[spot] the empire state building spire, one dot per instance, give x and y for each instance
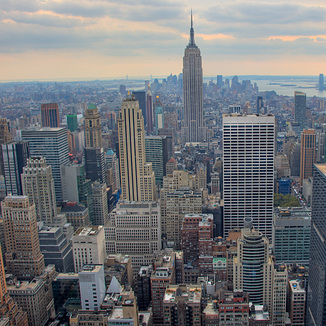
(192, 33)
(193, 128)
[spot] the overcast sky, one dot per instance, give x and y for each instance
(49, 39)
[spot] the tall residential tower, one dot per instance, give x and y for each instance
(193, 129)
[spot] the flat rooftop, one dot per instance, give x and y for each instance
(88, 231)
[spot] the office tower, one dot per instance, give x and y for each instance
(35, 297)
(72, 123)
(248, 171)
(321, 82)
(193, 129)
(38, 185)
(112, 162)
(50, 115)
(14, 158)
(157, 153)
(158, 114)
(55, 248)
(93, 132)
(88, 246)
(23, 256)
(316, 307)
(52, 143)
(260, 104)
(75, 187)
(92, 286)
(182, 305)
(100, 202)
(308, 154)
(297, 302)
(169, 138)
(134, 230)
(140, 96)
(291, 235)
(77, 215)
(95, 164)
(112, 120)
(300, 108)
(164, 273)
(10, 313)
(137, 177)
(219, 81)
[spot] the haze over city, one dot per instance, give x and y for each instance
(82, 39)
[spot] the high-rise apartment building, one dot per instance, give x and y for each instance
(10, 313)
(316, 307)
(193, 129)
(137, 177)
(100, 203)
(248, 171)
(52, 143)
(157, 153)
(38, 185)
(308, 154)
(164, 274)
(88, 246)
(93, 133)
(135, 230)
(255, 273)
(14, 158)
(297, 302)
(50, 115)
(182, 305)
(23, 256)
(300, 107)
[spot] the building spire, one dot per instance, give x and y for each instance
(192, 33)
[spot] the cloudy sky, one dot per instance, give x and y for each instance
(52, 39)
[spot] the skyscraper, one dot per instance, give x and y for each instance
(321, 82)
(93, 133)
(23, 256)
(137, 177)
(52, 143)
(38, 185)
(8, 308)
(316, 306)
(72, 123)
(14, 157)
(300, 108)
(308, 154)
(50, 115)
(193, 129)
(248, 171)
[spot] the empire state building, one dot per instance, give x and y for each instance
(193, 129)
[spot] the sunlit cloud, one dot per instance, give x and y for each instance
(292, 38)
